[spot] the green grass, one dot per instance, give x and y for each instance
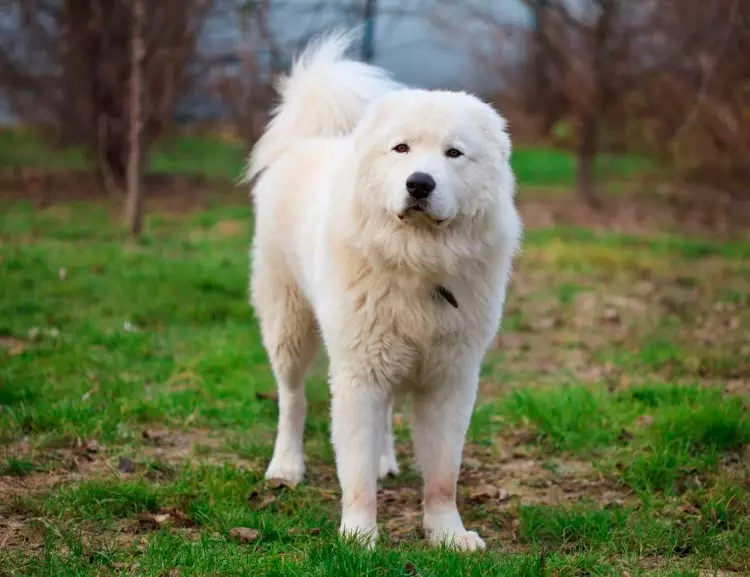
(157, 335)
(197, 155)
(567, 419)
(15, 467)
(686, 248)
(538, 167)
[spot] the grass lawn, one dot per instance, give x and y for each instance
(611, 435)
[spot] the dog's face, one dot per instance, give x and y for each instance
(426, 158)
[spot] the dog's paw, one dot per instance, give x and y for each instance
(291, 472)
(461, 540)
(388, 467)
(364, 536)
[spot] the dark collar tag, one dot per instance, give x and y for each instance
(447, 295)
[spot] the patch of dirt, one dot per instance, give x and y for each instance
(683, 303)
(45, 188)
(529, 478)
(74, 461)
(640, 210)
(12, 345)
(644, 207)
(492, 485)
(17, 532)
(198, 445)
(223, 229)
(400, 507)
(71, 467)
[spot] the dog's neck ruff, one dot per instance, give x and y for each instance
(447, 295)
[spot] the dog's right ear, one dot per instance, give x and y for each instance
(369, 126)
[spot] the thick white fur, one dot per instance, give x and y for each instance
(336, 257)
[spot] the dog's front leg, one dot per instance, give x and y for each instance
(358, 412)
(388, 461)
(440, 417)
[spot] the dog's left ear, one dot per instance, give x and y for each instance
(498, 127)
(495, 127)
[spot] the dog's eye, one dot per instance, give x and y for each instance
(453, 153)
(401, 148)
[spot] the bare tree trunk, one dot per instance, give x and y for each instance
(588, 149)
(590, 137)
(541, 100)
(134, 207)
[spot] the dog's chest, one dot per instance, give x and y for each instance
(399, 331)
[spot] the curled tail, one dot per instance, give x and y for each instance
(325, 95)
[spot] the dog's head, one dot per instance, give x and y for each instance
(432, 156)
(430, 165)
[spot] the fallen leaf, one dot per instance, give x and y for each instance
(17, 350)
(244, 534)
(611, 315)
(625, 435)
(263, 396)
(62, 273)
(15, 346)
(87, 395)
(515, 526)
(471, 463)
(488, 493)
(411, 569)
(93, 446)
(126, 465)
(177, 516)
(644, 287)
(644, 421)
(547, 323)
(257, 502)
(155, 437)
(155, 520)
(403, 525)
(308, 531)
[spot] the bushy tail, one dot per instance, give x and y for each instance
(324, 95)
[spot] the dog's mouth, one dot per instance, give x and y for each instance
(420, 210)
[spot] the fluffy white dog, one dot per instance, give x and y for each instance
(385, 228)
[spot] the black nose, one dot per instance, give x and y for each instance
(420, 185)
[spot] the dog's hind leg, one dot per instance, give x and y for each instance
(388, 462)
(291, 340)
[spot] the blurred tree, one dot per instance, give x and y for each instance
(698, 115)
(609, 50)
(583, 63)
(134, 206)
(65, 66)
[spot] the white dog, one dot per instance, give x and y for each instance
(385, 227)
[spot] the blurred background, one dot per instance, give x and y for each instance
(644, 96)
(611, 435)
